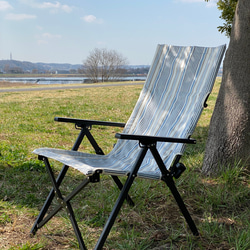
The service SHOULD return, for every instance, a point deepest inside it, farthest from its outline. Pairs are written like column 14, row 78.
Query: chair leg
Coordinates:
column 182, row 206
column 120, row 200
column 66, row 204
column 59, row 180
column 48, row 202
column 120, row 186
column 76, row 228
column 99, row 151
column 168, row 179
column 59, row 207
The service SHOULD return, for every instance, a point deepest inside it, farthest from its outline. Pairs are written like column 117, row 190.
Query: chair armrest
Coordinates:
column 81, row 122
column 145, row 139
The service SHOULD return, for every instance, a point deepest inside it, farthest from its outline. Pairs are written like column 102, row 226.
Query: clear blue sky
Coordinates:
column 66, row 31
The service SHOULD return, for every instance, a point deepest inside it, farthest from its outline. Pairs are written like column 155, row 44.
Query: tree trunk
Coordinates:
column 229, row 132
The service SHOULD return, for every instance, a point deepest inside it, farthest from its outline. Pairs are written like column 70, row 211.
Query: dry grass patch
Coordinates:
column 5, row 84
column 15, row 233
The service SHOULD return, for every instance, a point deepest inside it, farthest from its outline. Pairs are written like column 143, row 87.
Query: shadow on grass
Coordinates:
column 24, row 184
column 220, row 206
column 25, row 181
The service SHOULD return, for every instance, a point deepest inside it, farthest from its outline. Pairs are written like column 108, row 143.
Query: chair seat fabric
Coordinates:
column 170, row 104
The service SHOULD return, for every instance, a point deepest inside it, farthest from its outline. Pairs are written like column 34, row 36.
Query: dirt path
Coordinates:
column 10, row 87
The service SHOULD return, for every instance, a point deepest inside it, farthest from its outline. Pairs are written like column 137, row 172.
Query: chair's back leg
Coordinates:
column 120, row 186
column 170, row 182
column 168, row 179
column 99, row 151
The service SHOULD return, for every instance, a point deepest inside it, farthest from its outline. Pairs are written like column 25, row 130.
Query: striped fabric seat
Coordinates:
column 170, row 104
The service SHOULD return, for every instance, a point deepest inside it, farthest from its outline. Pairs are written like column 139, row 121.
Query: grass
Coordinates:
column 219, row 206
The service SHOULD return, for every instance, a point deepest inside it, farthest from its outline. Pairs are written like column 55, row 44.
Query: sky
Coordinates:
column 67, row 31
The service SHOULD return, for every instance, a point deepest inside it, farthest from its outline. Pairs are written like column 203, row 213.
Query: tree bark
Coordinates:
column 229, row 132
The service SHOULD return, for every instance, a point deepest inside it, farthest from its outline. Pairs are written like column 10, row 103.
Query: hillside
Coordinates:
column 14, row 66
column 19, row 67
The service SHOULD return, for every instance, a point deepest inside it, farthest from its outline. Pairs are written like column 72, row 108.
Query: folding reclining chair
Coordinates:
column 153, row 140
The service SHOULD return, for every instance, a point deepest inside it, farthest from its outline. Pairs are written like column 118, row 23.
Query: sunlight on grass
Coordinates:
column 219, row 206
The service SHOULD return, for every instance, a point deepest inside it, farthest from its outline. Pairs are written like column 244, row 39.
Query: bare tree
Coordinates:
column 104, row 65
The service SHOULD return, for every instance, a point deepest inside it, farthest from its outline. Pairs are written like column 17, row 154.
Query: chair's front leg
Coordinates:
column 67, row 198
column 59, row 180
column 120, row 200
column 65, row 203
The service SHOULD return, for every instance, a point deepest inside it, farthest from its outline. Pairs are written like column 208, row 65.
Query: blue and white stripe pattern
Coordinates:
column 170, row 104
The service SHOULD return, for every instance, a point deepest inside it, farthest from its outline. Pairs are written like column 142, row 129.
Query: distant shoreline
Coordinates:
column 68, row 86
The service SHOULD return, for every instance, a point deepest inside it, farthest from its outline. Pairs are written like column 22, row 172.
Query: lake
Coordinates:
column 61, row 80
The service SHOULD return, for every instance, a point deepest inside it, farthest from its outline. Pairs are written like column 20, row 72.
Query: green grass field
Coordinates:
column 219, row 206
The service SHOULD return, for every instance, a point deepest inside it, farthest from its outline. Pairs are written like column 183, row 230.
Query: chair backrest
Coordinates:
column 172, row 99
